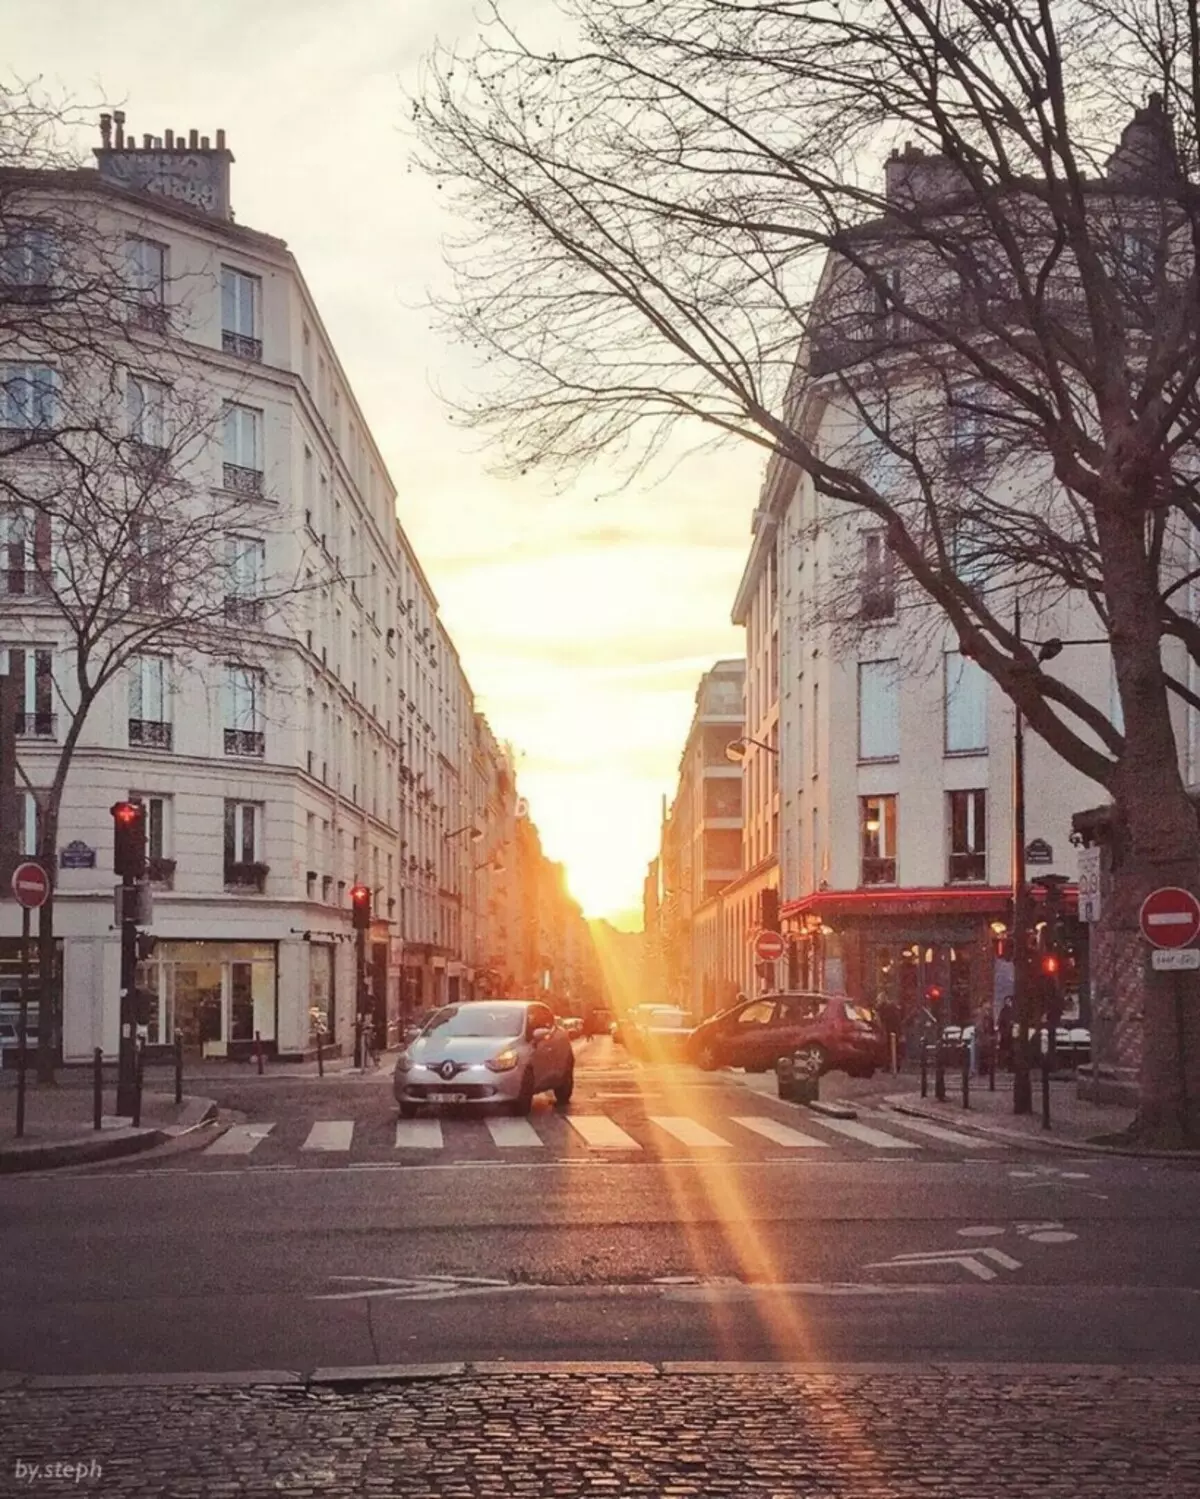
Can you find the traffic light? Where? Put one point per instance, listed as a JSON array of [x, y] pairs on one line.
[[129, 840], [360, 900], [1050, 964], [145, 946]]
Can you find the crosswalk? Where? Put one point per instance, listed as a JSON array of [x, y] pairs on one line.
[[588, 1132]]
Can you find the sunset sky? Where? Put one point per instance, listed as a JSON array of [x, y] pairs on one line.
[[584, 618]]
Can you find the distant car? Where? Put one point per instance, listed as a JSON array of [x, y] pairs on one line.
[[630, 1030], [572, 1024], [819, 1032], [486, 1052], [663, 1033], [598, 1023]]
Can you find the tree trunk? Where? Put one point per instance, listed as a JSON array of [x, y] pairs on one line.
[[1156, 833], [48, 1006]]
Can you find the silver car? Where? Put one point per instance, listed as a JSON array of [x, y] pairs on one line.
[[484, 1052]]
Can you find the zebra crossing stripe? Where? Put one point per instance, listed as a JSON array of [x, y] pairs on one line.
[[937, 1132], [419, 1134], [780, 1134], [330, 1134], [599, 1132], [864, 1134], [688, 1132], [512, 1134], [239, 1139]]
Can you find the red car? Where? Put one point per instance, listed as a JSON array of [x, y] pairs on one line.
[[822, 1032]]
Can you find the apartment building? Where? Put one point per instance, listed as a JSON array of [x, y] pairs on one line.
[[319, 730]]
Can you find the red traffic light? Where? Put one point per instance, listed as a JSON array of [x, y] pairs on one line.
[[126, 813], [1050, 963], [360, 901], [360, 895]]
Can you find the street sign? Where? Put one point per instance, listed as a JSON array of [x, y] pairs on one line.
[[769, 947], [1170, 917], [77, 855], [1039, 852], [31, 885], [1089, 884], [1174, 959]]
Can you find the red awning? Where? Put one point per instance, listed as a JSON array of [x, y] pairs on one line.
[[933, 900]]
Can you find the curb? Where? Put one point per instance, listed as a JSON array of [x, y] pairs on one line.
[[1046, 1141], [86, 1149], [374, 1374]]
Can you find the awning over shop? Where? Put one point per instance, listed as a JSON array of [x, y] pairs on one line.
[[936, 900]]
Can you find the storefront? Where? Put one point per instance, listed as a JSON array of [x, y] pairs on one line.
[[219, 995]]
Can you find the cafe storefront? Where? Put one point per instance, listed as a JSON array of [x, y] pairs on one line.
[[219, 995]]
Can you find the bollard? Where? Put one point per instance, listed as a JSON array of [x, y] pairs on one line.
[[320, 1054], [258, 1052], [993, 1050], [893, 1040], [358, 1041], [939, 1069], [924, 1068], [139, 1066], [97, 1087], [1046, 1089], [178, 1066], [966, 1077], [22, 1070]]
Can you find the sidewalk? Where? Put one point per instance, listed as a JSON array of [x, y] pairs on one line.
[[59, 1126], [1074, 1125]]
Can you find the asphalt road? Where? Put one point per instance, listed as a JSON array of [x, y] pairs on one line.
[[700, 1238]]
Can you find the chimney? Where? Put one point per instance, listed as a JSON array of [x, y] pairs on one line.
[[1147, 151], [195, 176], [912, 177]]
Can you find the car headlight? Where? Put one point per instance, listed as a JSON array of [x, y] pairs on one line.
[[403, 1062], [504, 1062]]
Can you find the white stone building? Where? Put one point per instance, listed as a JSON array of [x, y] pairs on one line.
[[342, 753]]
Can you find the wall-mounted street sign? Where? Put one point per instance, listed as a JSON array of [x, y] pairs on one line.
[[1038, 851], [1170, 917], [1089, 884], [1175, 959], [77, 855]]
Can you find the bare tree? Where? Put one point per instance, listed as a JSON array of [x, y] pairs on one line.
[[115, 544], [690, 215]]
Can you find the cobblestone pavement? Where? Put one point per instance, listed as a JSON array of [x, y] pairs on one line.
[[883, 1432]]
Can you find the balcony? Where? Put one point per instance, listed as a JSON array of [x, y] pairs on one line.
[[250, 744], [246, 877], [37, 725], [967, 868], [161, 872], [241, 480], [878, 871], [241, 345], [150, 733], [243, 611]]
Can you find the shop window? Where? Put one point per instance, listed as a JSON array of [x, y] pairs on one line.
[[877, 815]]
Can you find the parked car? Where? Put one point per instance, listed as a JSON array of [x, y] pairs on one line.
[[572, 1025], [662, 1032], [486, 1052], [633, 1025], [819, 1032], [599, 1022]]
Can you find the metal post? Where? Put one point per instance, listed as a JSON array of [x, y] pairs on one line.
[[320, 1053], [939, 1068], [258, 1051], [360, 989], [966, 1075], [892, 1043], [22, 1022], [993, 1049], [127, 1041], [138, 1063], [1185, 1108], [97, 1087], [924, 1066], [1046, 1086], [178, 1065], [1022, 1082]]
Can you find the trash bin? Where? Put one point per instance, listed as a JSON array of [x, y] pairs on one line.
[[794, 1088]]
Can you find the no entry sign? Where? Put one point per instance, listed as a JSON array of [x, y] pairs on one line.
[[768, 946], [1170, 917], [31, 884]]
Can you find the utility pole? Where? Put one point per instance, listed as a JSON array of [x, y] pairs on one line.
[[129, 861], [10, 804], [360, 901], [1022, 1082]]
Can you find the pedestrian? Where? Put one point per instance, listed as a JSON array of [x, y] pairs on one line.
[[1004, 1023]]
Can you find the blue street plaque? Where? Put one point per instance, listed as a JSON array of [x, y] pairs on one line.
[[77, 855]]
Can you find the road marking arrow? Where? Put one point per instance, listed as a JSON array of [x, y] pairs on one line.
[[418, 1288], [971, 1261]]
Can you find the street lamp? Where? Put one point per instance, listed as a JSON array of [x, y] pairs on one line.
[[467, 827], [737, 749]]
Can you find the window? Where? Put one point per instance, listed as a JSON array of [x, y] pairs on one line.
[[243, 470], [970, 548], [244, 844], [33, 669], [968, 836], [160, 868], [27, 261], [723, 797], [146, 269], [27, 397], [245, 692], [246, 558], [145, 406], [966, 706], [878, 821], [148, 586], [241, 298], [150, 702], [32, 822], [878, 577], [878, 710], [761, 1012], [968, 429], [24, 551]]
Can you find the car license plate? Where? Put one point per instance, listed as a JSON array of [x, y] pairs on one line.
[[444, 1097]]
